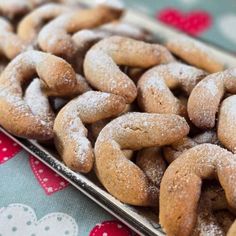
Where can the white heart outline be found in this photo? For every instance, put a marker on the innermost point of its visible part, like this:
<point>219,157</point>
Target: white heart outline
<point>46,226</point>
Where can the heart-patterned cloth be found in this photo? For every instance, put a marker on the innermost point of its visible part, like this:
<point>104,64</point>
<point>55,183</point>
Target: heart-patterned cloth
<point>111,228</point>
<point>8,148</point>
<point>20,219</point>
<point>50,181</point>
<point>194,22</point>
<point>211,21</point>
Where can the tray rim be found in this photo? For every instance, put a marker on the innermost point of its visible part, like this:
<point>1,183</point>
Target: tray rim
<point>121,211</point>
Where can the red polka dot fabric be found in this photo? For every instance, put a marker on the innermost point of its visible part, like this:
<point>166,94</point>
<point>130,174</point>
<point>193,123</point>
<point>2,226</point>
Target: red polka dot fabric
<point>111,228</point>
<point>8,148</point>
<point>50,181</point>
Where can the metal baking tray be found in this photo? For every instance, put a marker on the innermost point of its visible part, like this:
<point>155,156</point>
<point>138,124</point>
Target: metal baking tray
<point>141,220</point>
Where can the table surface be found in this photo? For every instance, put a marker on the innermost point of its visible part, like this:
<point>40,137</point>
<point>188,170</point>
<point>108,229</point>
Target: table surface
<point>36,201</point>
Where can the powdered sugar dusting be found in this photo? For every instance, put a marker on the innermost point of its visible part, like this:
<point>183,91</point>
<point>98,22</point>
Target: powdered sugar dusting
<point>74,132</point>
<point>56,32</point>
<point>78,134</point>
<point>226,125</point>
<point>82,148</point>
<point>108,78</point>
<point>39,17</point>
<point>18,109</point>
<point>155,82</point>
<point>87,108</point>
<point>232,71</point>
<point>195,53</point>
<point>86,36</point>
<point>208,225</point>
<point>5,26</point>
<point>132,131</point>
<point>188,76</point>
<point>230,108</point>
<point>206,157</point>
<point>11,92</point>
<point>12,8</point>
<point>210,86</point>
<point>11,45</point>
<point>93,106</point>
<point>152,163</point>
<point>186,173</point>
<point>175,75</point>
<point>207,222</point>
<point>190,44</point>
<point>140,125</point>
<point>92,101</point>
<point>38,101</point>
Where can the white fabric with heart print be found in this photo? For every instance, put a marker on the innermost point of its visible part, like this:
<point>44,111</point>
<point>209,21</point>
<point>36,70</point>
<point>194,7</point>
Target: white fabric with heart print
<point>21,220</point>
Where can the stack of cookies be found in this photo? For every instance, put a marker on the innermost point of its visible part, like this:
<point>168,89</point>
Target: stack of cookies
<point>156,123</point>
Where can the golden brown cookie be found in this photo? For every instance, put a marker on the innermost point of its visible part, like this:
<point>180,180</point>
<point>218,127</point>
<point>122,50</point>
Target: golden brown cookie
<point>57,79</point>
<point>55,37</point>
<point>232,230</point>
<point>204,101</point>
<point>213,217</point>
<point>14,8</point>
<point>152,163</point>
<point>85,39</point>
<point>133,131</point>
<point>102,60</point>
<point>173,151</point>
<point>82,86</point>
<point>70,133</point>
<point>97,127</point>
<point>31,24</point>
<point>155,85</point>
<point>226,128</point>
<point>181,185</point>
<point>10,44</point>
<point>194,53</point>
<point>38,102</point>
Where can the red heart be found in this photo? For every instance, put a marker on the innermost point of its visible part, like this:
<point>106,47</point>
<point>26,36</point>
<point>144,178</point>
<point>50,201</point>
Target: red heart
<point>111,228</point>
<point>8,148</point>
<point>193,23</point>
<point>48,179</point>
